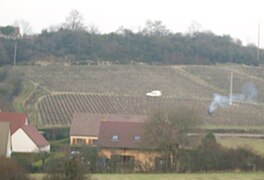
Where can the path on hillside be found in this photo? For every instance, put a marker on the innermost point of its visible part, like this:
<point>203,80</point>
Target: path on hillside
<point>238,71</point>
<point>196,79</point>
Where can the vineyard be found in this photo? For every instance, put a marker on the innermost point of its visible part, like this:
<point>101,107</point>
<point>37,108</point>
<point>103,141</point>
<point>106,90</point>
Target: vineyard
<point>58,109</point>
<point>115,79</point>
<point>219,77</point>
<point>122,89</point>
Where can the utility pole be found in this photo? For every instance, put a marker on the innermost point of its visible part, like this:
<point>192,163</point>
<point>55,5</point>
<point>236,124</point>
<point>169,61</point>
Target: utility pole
<point>231,87</point>
<point>258,43</point>
<point>15,53</point>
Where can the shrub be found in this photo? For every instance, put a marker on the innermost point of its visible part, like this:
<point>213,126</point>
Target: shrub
<point>211,156</point>
<point>10,170</point>
<point>65,168</point>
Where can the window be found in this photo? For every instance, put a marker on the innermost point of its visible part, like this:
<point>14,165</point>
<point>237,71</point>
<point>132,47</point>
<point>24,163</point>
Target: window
<point>137,138</point>
<point>79,141</point>
<point>115,138</point>
<point>94,141</point>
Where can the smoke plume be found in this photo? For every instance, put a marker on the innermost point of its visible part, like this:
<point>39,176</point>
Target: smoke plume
<point>248,93</point>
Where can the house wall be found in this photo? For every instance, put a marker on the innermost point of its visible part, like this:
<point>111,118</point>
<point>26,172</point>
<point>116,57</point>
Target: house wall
<point>86,140</point>
<point>22,143</point>
<point>45,149</point>
<point>145,158</point>
<point>8,151</point>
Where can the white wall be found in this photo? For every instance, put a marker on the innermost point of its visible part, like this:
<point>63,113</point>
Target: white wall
<point>8,152</point>
<point>45,149</point>
<point>22,143</point>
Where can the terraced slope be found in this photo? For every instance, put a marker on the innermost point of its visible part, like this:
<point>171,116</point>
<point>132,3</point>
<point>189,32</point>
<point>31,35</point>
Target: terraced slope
<point>122,89</point>
<point>119,80</point>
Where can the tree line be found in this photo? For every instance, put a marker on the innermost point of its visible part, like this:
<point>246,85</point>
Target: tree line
<point>75,43</point>
<point>127,47</point>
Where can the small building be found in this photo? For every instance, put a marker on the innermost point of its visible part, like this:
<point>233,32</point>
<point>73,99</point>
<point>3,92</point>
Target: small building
<point>5,139</point>
<point>121,141</point>
<point>85,126</point>
<point>28,139</point>
<point>24,137</point>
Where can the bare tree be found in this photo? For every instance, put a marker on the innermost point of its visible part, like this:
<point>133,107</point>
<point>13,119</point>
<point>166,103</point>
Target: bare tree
<point>93,29</point>
<point>194,28</point>
<point>24,26</point>
<point>74,21</point>
<point>167,132</point>
<point>155,28</point>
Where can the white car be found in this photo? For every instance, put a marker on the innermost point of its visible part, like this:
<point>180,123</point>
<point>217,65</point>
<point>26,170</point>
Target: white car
<point>155,93</point>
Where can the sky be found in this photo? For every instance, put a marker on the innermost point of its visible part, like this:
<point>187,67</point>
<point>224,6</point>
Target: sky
<point>240,19</point>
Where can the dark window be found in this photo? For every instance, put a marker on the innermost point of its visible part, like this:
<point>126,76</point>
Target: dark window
<point>79,141</point>
<point>94,141</point>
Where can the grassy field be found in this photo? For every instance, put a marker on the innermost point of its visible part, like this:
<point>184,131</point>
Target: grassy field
<point>256,145</point>
<point>192,176</point>
<point>209,176</point>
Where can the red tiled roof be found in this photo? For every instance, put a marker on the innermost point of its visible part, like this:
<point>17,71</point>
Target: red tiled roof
<point>126,132</point>
<point>16,119</point>
<point>88,124</point>
<point>35,136</point>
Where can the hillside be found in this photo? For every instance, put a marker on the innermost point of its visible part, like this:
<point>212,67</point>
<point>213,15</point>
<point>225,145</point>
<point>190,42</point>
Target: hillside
<point>122,89</point>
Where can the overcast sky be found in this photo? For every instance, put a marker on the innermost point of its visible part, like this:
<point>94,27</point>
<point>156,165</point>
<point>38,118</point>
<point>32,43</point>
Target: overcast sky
<point>237,18</point>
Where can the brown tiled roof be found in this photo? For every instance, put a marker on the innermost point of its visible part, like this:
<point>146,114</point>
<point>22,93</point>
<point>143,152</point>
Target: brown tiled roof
<point>35,136</point>
<point>126,132</point>
<point>16,119</point>
<point>88,124</point>
<point>4,134</point>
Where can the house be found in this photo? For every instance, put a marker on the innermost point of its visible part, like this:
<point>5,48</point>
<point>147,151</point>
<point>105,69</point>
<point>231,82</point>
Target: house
<point>5,139</point>
<point>121,141</point>
<point>28,139</point>
<point>24,137</point>
<point>85,126</point>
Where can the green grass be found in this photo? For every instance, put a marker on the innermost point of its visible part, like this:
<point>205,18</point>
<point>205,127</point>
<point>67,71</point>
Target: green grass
<point>195,176</point>
<point>234,127</point>
<point>254,144</point>
<point>27,89</point>
<point>191,176</point>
